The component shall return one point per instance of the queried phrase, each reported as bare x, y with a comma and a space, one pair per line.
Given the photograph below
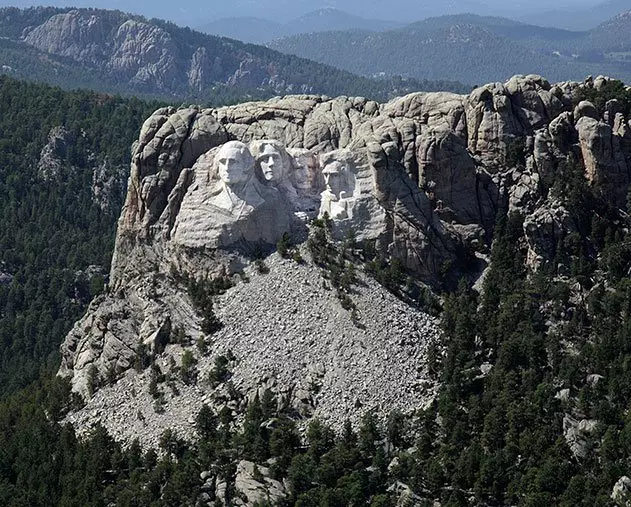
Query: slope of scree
284, 331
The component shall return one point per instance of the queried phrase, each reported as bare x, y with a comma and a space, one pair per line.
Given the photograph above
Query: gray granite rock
621, 493
288, 333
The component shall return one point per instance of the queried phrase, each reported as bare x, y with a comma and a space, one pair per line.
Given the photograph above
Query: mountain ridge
471, 48
115, 52
259, 30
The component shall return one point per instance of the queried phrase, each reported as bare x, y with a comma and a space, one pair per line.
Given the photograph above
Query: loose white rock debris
290, 334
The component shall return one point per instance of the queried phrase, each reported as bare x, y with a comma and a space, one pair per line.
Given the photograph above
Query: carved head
337, 173
334, 177
271, 163
234, 163
305, 169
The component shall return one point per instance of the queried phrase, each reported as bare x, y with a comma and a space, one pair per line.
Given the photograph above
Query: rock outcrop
53, 154
159, 58
253, 486
108, 185
621, 494
419, 179
145, 54
108, 180
577, 434
135, 50
77, 35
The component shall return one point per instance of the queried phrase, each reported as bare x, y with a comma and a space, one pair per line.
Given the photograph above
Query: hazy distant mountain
197, 12
468, 48
585, 18
398, 10
259, 30
334, 19
246, 29
612, 35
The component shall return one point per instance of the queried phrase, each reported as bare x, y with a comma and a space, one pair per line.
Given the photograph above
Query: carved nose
231, 165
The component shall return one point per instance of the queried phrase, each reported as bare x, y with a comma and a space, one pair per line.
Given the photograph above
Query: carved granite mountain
419, 179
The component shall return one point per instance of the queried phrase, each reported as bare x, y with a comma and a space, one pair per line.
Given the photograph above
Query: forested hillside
58, 211
116, 52
534, 368
471, 49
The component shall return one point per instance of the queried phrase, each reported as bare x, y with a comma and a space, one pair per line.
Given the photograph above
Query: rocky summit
417, 182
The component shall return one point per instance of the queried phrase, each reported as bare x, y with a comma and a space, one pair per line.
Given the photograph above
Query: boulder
577, 433
605, 164
544, 229
254, 483
621, 493
585, 109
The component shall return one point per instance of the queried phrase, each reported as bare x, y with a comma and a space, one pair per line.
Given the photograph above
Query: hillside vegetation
53, 226
116, 52
472, 49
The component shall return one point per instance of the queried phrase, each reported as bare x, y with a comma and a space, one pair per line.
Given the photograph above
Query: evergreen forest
471, 49
509, 380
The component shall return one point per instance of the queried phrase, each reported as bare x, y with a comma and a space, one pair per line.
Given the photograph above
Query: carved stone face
305, 171
233, 164
334, 174
271, 163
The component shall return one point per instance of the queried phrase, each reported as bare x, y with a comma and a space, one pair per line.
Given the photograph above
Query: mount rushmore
419, 179
253, 194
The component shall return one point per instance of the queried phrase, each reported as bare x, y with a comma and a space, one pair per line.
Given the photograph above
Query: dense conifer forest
52, 228
518, 359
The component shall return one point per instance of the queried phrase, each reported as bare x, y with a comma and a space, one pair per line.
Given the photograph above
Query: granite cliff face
134, 50
419, 179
